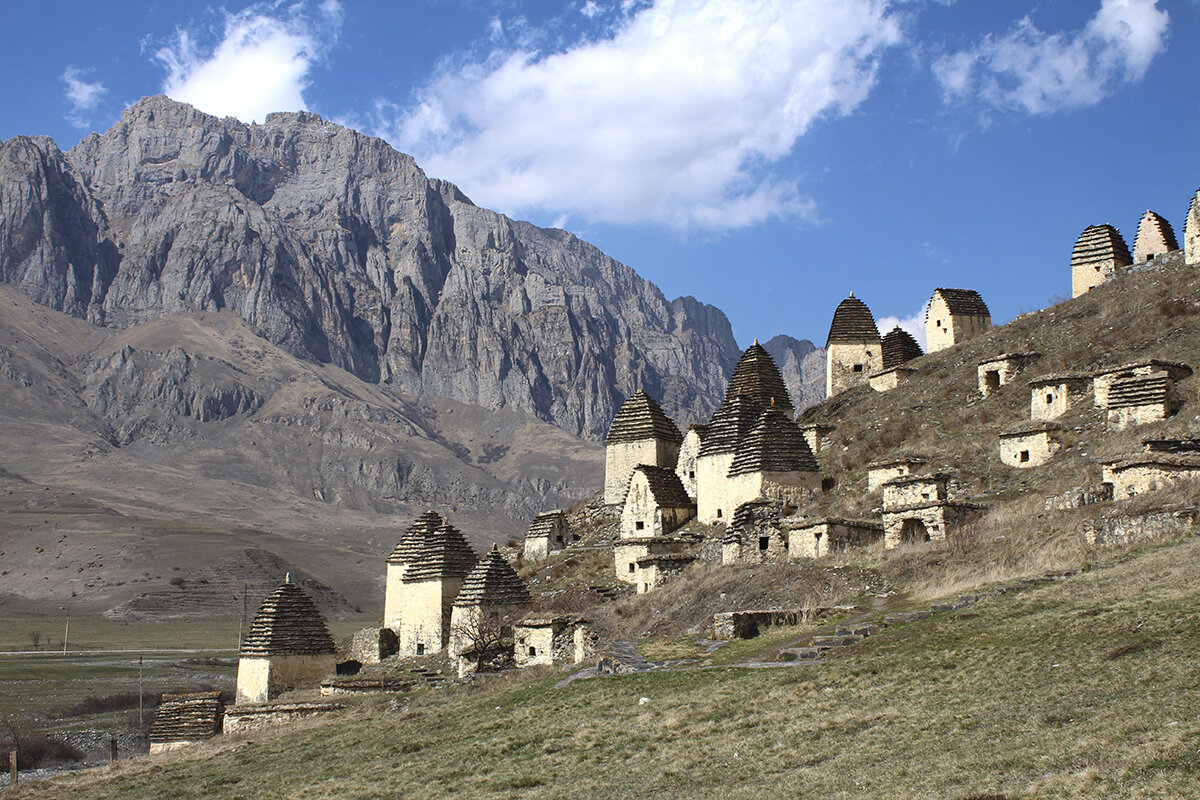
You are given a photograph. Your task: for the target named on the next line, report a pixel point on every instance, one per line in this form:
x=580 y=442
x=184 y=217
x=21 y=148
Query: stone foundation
x=1120 y=530
x=264 y=678
x=241 y=719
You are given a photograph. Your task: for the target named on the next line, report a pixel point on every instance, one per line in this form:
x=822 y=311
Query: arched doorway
x=913 y=531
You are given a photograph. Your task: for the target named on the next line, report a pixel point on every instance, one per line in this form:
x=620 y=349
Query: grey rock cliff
x=339 y=249
x=802 y=366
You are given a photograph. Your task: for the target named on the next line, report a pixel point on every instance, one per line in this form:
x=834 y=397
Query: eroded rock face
x=340 y=249
x=802 y=367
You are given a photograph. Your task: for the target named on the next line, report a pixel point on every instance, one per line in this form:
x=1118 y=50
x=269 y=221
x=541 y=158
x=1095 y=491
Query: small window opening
x=1024 y=455
x=632 y=568
x=991 y=380
x=764 y=542
x=1049 y=398
x=858 y=367
x=420 y=648
x=718 y=513
x=939 y=323
x=532 y=651
x=691 y=475
x=640 y=525
x=1150 y=257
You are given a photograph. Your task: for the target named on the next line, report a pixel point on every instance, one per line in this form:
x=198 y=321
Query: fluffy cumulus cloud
x=675 y=114
x=1037 y=72
x=260 y=64
x=82 y=95
x=914 y=324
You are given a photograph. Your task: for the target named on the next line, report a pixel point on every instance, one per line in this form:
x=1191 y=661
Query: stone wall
x=819 y=437
x=1080 y=497
x=252 y=718
x=1030 y=449
x=1134 y=479
x=261 y=679
x=1053 y=399
x=850 y=364
x=934 y=522
x=1085 y=277
x=712 y=504
x=372 y=645
x=1191 y=233
x=943 y=329
x=685 y=465
x=746 y=624
x=1128 y=416
x=642 y=516
x=1002 y=370
x=621 y=458
x=915 y=490
x=536 y=547
x=889 y=379
x=425 y=624
x=627 y=552
x=1126 y=529
x=878 y=475
x=831 y=536
x=534 y=645
x=393 y=607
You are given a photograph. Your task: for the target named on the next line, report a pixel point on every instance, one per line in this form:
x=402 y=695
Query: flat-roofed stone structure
x=899 y=347
x=373 y=645
x=818 y=435
x=1150 y=472
x=1184 y=445
x=824 y=537
x=853 y=350
x=888 y=379
x=428 y=587
x=1154 y=238
x=954 y=316
x=655 y=570
x=1031 y=444
x=1002 y=370
x=657 y=503
x=1052 y=396
x=409 y=546
x=549 y=531
x=1100 y=255
x=1191 y=232
x=1140 y=399
x=186 y=719
x=685 y=467
x=627 y=553
x=242 y=719
x=1103 y=379
x=544 y=641
x=486 y=608
x=889 y=469
x=288 y=647
x=640 y=434
x=756 y=534
x=918 y=509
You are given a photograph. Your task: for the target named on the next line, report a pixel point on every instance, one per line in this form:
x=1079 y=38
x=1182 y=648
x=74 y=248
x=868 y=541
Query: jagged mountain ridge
x=339 y=249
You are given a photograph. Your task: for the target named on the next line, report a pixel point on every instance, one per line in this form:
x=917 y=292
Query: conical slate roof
x=898 y=347
x=641 y=418
x=731 y=422
x=757 y=377
x=413 y=540
x=962 y=302
x=493 y=582
x=1154 y=237
x=1100 y=244
x=852 y=323
x=445 y=554
x=288 y=624
x=776 y=444
x=665 y=486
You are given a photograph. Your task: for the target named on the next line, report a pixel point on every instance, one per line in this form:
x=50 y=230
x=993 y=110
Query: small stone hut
x=1001 y=370
x=1154 y=238
x=1100 y=255
x=823 y=537
x=1103 y=379
x=628 y=552
x=918 y=509
x=548 y=531
x=486 y=609
x=853 y=350
x=889 y=469
x=954 y=316
x=756 y=534
x=186 y=719
x=685 y=467
x=640 y=434
x=428 y=587
x=1191 y=232
x=288 y=647
x=539 y=641
x=656 y=504
x=1031 y=444
x=818 y=436
x=1150 y=472
x=888 y=379
x=655 y=570
x=406 y=550
x=1140 y=399
x=1052 y=396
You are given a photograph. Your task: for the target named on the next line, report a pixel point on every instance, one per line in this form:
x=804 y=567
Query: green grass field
x=1085 y=688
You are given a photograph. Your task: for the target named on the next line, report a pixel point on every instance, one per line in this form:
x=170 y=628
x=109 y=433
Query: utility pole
x=66 y=629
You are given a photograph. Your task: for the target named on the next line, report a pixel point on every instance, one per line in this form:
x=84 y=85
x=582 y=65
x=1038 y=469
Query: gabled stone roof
x=775 y=444
x=962 y=302
x=731 y=422
x=899 y=347
x=545 y=524
x=288 y=623
x=1154 y=236
x=641 y=418
x=665 y=486
x=189 y=717
x=1176 y=369
x=413 y=540
x=1100 y=244
x=445 y=554
x=757 y=377
x=852 y=323
x=493 y=581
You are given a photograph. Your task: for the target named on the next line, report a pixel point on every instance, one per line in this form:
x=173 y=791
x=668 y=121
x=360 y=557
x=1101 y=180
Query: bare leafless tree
x=484 y=638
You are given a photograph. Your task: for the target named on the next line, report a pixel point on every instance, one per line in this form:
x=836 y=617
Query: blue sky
x=766 y=156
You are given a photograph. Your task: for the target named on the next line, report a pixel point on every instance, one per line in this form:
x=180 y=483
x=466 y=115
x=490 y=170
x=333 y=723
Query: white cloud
x=83 y=95
x=675 y=116
x=1037 y=72
x=260 y=65
x=914 y=324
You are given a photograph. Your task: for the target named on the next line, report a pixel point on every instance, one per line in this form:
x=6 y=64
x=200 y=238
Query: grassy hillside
x=1079 y=689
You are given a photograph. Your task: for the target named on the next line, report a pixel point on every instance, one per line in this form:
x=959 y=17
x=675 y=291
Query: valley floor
x=1084 y=688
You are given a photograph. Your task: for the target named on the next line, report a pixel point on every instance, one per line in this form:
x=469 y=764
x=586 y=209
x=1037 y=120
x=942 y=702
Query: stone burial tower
x=1154 y=238
x=428 y=585
x=288 y=647
x=953 y=316
x=486 y=608
x=1100 y=255
x=853 y=350
x=408 y=548
x=640 y=434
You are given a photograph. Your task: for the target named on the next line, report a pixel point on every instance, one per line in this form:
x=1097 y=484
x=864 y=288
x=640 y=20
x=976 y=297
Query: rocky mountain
x=339 y=250
x=802 y=365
